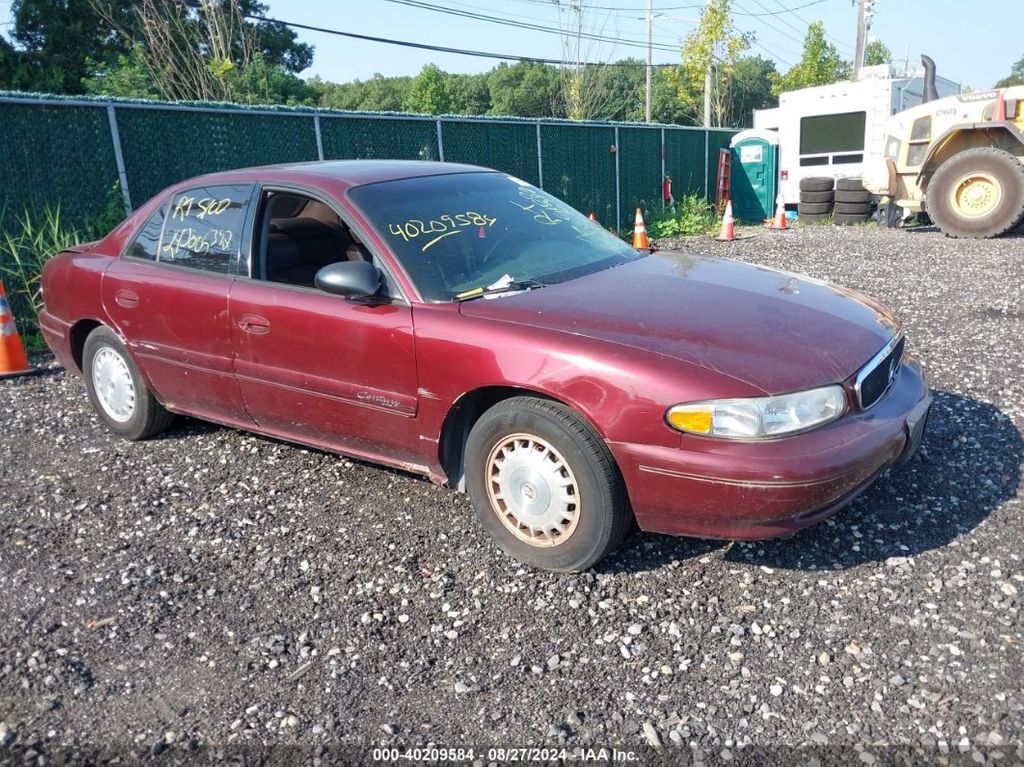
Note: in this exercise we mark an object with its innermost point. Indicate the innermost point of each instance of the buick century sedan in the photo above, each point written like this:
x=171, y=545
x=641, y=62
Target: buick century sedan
x=461, y=324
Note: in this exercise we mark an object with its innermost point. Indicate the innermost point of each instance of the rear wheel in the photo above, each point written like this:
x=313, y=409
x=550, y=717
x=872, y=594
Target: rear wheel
x=977, y=193
x=545, y=486
x=116, y=389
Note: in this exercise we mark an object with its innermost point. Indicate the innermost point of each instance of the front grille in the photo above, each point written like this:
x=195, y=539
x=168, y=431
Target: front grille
x=874, y=379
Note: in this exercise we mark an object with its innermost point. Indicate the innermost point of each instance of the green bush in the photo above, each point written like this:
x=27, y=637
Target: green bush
x=24, y=249
x=693, y=215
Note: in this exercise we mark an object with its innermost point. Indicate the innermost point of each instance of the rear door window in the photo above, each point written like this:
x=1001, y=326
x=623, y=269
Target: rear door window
x=147, y=241
x=205, y=227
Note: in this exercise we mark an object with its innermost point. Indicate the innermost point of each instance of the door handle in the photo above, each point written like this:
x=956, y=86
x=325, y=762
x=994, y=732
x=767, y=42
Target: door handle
x=126, y=299
x=255, y=324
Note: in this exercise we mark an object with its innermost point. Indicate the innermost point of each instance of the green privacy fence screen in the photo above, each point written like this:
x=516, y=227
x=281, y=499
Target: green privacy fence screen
x=70, y=151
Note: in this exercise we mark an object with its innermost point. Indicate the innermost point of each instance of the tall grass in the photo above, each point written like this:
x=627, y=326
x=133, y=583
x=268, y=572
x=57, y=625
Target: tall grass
x=24, y=250
x=28, y=241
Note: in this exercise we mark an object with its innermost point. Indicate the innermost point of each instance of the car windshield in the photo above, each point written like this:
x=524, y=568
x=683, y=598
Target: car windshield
x=459, y=235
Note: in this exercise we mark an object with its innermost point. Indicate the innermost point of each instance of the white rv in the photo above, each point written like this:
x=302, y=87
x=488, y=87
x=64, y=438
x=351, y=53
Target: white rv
x=836, y=130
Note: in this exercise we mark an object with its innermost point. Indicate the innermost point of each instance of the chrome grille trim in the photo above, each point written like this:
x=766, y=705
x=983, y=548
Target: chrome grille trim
x=870, y=367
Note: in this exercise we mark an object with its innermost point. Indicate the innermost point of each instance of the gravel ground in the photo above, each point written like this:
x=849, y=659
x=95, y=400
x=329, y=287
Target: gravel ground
x=214, y=588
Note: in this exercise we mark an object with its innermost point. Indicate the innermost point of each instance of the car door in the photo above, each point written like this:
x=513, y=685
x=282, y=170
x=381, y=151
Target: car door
x=168, y=296
x=317, y=367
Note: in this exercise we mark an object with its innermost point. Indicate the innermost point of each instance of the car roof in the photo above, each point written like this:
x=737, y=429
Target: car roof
x=339, y=173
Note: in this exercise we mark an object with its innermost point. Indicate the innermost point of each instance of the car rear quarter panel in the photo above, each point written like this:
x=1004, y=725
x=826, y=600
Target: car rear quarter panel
x=71, y=293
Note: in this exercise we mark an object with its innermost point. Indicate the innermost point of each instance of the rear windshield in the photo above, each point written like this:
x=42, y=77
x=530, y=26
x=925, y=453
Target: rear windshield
x=458, y=233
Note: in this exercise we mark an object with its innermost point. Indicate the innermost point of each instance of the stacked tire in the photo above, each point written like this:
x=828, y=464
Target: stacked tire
x=816, y=198
x=852, y=202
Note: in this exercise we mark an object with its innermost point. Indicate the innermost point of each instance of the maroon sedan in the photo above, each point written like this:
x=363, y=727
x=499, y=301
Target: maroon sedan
x=461, y=324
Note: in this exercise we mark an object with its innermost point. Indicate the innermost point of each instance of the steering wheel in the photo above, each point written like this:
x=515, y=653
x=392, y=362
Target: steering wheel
x=498, y=240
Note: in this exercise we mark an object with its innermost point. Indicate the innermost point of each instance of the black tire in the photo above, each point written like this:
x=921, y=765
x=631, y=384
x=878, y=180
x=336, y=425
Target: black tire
x=850, y=197
x=850, y=219
x=828, y=196
x=811, y=218
x=601, y=518
x=999, y=166
x=850, y=185
x=814, y=207
x=853, y=208
x=817, y=184
x=146, y=416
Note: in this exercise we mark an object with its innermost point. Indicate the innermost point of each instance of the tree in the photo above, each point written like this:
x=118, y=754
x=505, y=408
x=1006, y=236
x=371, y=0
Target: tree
x=429, y=93
x=206, y=50
x=1016, y=76
x=9, y=65
x=469, y=94
x=524, y=89
x=57, y=39
x=584, y=72
x=820, y=64
x=714, y=45
x=126, y=77
x=751, y=89
x=876, y=52
x=625, y=86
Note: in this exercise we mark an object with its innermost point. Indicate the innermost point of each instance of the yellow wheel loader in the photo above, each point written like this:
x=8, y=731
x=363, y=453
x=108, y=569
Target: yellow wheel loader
x=959, y=159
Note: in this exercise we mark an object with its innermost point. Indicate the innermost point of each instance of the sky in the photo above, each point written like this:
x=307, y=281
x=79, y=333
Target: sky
x=974, y=43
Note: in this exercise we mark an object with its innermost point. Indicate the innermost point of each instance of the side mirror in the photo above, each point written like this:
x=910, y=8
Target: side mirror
x=352, y=279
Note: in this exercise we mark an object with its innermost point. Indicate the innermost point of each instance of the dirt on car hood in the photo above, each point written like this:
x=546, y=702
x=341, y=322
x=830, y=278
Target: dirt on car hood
x=776, y=331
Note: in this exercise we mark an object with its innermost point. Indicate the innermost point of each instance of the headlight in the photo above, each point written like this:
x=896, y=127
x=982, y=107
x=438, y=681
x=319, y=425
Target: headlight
x=760, y=417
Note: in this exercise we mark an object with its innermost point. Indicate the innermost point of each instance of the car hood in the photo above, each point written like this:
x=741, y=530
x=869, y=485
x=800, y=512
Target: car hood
x=776, y=331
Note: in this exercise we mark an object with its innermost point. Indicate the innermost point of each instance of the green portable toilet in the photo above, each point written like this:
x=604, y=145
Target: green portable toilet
x=754, y=174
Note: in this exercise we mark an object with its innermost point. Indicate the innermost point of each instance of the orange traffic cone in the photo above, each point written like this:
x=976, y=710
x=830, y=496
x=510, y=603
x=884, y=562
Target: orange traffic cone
x=728, y=233
x=13, y=361
x=780, y=214
x=593, y=217
x=640, y=241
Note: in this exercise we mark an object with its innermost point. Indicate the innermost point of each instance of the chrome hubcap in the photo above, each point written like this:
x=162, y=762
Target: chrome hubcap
x=113, y=384
x=532, y=490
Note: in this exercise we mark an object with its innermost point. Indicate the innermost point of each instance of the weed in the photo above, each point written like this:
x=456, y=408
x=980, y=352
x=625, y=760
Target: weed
x=24, y=252
x=693, y=215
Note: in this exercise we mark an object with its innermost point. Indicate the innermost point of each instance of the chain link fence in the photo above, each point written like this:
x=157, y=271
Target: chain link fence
x=69, y=151
x=72, y=151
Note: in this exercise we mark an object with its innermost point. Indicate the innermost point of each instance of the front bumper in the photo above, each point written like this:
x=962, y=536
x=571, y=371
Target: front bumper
x=713, y=488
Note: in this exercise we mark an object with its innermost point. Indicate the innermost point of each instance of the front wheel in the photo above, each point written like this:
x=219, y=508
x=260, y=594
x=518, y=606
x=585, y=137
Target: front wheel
x=977, y=193
x=545, y=486
x=116, y=388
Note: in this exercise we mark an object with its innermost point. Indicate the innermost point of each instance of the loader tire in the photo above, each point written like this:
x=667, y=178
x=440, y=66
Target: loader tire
x=812, y=218
x=816, y=184
x=977, y=194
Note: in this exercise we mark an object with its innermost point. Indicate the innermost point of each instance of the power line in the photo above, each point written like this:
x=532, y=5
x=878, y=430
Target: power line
x=833, y=38
x=526, y=25
x=443, y=48
x=555, y=4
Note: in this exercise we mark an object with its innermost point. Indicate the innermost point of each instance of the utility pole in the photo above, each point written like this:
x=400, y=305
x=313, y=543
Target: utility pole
x=648, y=105
x=707, y=83
x=865, y=10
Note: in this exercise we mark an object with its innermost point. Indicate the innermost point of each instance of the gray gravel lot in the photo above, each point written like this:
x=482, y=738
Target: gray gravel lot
x=211, y=587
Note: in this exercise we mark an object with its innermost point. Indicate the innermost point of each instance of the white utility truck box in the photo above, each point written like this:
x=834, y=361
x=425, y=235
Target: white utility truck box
x=833, y=130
